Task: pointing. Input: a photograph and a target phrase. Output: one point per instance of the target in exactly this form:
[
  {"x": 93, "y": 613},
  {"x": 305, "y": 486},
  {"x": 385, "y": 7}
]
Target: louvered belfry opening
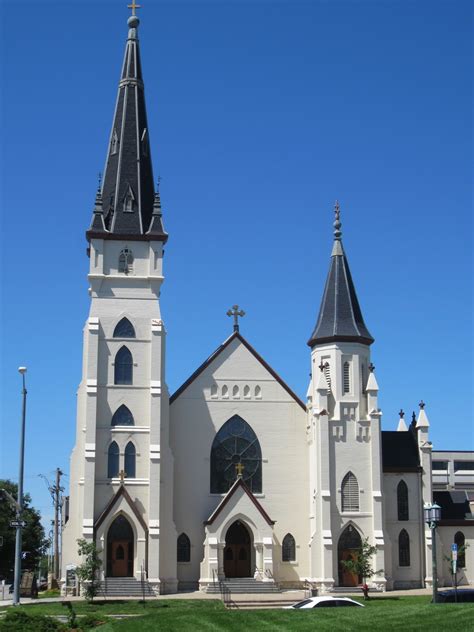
[{"x": 350, "y": 493}]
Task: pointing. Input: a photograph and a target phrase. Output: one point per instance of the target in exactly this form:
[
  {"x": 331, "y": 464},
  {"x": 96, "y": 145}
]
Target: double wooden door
[
  {"x": 237, "y": 560},
  {"x": 120, "y": 558}
]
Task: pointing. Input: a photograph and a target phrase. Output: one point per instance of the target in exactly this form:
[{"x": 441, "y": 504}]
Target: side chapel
[{"x": 192, "y": 512}]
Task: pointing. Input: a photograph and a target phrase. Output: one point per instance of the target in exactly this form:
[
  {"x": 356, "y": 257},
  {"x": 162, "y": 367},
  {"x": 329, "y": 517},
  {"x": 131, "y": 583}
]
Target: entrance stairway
[
  {"x": 125, "y": 587},
  {"x": 242, "y": 585}
]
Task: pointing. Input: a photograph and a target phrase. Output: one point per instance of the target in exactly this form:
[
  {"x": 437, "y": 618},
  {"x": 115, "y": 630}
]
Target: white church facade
[{"x": 189, "y": 489}]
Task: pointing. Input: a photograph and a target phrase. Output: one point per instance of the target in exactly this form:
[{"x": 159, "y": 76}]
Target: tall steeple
[
  {"x": 340, "y": 317},
  {"x": 126, "y": 207}
]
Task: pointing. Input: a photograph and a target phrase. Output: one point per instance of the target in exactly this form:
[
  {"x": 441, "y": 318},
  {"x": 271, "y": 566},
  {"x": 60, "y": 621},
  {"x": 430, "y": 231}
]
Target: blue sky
[{"x": 261, "y": 114}]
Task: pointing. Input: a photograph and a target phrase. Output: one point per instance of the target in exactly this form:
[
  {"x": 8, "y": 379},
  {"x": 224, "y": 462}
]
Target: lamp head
[{"x": 22, "y": 369}]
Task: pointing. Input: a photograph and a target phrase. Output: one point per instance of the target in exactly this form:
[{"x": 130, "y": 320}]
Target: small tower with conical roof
[
  {"x": 344, "y": 422},
  {"x": 122, "y": 455}
]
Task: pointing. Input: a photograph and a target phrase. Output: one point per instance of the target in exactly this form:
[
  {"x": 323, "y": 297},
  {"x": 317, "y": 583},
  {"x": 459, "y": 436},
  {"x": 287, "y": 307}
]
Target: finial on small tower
[
  {"x": 236, "y": 313},
  {"x": 133, "y": 20},
  {"x": 401, "y": 413},
  {"x": 422, "y": 405},
  {"x": 371, "y": 367},
  {"x": 337, "y": 221},
  {"x": 99, "y": 181}
]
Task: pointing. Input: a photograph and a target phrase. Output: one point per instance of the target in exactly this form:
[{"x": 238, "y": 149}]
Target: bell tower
[
  {"x": 122, "y": 457},
  {"x": 344, "y": 433}
]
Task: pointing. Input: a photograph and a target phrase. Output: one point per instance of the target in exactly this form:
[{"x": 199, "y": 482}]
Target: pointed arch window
[
  {"x": 122, "y": 417},
  {"x": 124, "y": 329},
  {"x": 350, "y": 493},
  {"x": 114, "y": 143},
  {"x": 235, "y": 443},
  {"x": 403, "y": 548},
  {"x": 402, "y": 501},
  {"x": 126, "y": 261},
  {"x": 130, "y": 460},
  {"x": 123, "y": 367},
  {"x": 460, "y": 540},
  {"x": 288, "y": 548},
  {"x": 129, "y": 201},
  {"x": 184, "y": 548},
  {"x": 113, "y": 457},
  {"x": 347, "y": 377}
]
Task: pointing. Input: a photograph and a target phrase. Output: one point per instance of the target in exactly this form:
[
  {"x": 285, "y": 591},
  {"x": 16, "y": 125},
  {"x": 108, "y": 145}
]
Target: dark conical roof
[
  {"x": 129, "y": 209},
  {"x": 340, "y": 317}
]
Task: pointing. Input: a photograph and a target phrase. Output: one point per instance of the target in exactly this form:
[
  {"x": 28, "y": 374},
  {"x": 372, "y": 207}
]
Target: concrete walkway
[{"x": 285, "y": 595}]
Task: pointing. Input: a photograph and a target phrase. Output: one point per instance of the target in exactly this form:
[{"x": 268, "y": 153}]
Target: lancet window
[{"x": 350, "y": 493}]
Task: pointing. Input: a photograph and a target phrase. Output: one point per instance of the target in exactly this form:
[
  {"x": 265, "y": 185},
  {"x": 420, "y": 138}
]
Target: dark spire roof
[
  {"x": 340, "y": 317},
  {"x": 127, "y": 206}
]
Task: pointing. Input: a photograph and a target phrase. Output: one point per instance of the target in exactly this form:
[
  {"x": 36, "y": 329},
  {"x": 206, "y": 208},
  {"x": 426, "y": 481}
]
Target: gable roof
[
  {"x": 218, "y": 351},
  {"x": 239, "y": 483},
  {"x": 110, "y": 505},
  {"x": 399, "y": 452}
]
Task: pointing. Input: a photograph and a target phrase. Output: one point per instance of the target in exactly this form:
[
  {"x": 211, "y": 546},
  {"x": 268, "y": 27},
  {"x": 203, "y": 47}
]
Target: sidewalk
[{"x": 286, "y": 594}]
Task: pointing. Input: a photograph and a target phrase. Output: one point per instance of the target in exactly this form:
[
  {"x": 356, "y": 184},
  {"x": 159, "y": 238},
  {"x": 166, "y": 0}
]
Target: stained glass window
[
  {"x": 129, "y": 461},
  {"x": 402, "y": 500},
  {"x": 122, "y": 417},
  {"x": 124, "y": 329},
  {"x": 123, "y": 367},
  {"x": 403, "y": 548},
  {"x": 184, "y": 548},
  {"x": 235, "y": 443},
  {"x": 288, "y": 548},
  {"x": 113, "y": 460}
]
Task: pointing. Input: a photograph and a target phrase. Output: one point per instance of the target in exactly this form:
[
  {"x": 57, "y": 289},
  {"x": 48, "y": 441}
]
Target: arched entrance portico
[
  {"x": 120, "y": 548},
  {"x": 237, "y": 551},
  {"x": 349, "y": 542}
]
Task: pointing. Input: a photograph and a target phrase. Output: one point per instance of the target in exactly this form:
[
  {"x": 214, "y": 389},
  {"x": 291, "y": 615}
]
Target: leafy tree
[
  {"x": 361, "y": 565},
  {"x": 33, "y": 539},
  {"x": 88, "y": 570}
]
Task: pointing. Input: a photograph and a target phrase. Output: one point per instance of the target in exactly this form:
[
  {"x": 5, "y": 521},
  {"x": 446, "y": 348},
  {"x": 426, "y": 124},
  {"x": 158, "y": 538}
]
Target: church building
[{"x": 187, "y": 490}]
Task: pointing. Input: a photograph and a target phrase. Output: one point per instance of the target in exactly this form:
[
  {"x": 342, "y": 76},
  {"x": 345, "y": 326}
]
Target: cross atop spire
[
  {"x": 337, "y": 221},
  {"x": 133, "y": 7},
  {"x": 235, "y": 312}
]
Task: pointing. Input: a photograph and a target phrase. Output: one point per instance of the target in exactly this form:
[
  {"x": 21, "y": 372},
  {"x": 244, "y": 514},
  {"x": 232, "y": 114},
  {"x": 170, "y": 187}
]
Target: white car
[{"x": 324, "y": 602}]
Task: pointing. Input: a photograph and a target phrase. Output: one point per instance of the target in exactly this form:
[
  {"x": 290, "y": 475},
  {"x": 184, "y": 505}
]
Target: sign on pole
[
  {"x": 18, "y": 523},
  {"x": 454, "y": 557}
]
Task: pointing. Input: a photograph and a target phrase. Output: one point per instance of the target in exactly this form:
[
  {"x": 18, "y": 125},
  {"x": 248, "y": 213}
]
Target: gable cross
[
  {"x": 239, "y": 468},
  {"x": 133, "y": 7},
  {"x": 235, "y": 312},
  {"x": 123, "y": 475}
]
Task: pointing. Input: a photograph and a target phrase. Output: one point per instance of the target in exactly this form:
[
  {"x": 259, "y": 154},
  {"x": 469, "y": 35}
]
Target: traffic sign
[
  {"x": 18, "y": 523},
  {"x": 454, "y": 547},
  {"x": 454, "y": 552}
]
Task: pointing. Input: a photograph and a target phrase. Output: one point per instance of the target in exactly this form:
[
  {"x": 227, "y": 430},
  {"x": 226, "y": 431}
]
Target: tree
[
  {"x": 361, "y": 565},
  {"x": 87, "y": 571},
  {"x": 34, "y": 542}
]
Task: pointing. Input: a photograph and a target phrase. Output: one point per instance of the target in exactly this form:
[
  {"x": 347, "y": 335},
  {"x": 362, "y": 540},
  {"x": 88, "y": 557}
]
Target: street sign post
[
  {"x": 17, "y": 523},
  {"x": 454, "y": 562}
]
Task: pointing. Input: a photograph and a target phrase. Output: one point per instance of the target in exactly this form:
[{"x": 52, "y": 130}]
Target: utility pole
[
  {"x": 55, "y": 491},
  {"x": 57, "y": 494},
  {"x": 19, "y": 512}
]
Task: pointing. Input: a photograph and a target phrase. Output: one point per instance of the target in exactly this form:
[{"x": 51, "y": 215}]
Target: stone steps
[
  {"x": 125, "y": 587},
  {"x": 242, "y": 585}
]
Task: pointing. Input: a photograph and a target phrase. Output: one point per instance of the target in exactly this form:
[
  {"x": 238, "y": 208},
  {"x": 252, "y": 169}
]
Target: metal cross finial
[
  {"x": 371, "y": 367},
  {"x": 337, "y": 221},
  {"x": 401, "y": 413},
  {"x": 413, "y": 418},
  {"x": 239, "y": 468},
  {"x": 236, "y": 313},
  {"x": 123, "y": 475},
  {"x": 158, "y": 182},
  {"x": 99, "y": 179},
  {"x": 422, "y": 404},
  {"x": 133, "y": 7}
]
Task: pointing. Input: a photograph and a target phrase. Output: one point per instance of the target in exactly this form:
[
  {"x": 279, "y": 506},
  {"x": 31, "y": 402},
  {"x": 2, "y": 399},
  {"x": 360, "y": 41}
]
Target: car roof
[{"x": 328, "y": 598}]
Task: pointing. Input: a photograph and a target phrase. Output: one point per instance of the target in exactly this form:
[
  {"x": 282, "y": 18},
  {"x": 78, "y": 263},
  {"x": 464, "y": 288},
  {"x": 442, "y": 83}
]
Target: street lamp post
[
  {"x": 19, "y": 506},
  {"x": 432, "y": 514}
]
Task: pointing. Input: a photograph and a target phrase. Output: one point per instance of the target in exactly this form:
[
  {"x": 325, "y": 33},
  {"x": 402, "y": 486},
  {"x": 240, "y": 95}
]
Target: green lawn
[{"x": 381, "y": 613}]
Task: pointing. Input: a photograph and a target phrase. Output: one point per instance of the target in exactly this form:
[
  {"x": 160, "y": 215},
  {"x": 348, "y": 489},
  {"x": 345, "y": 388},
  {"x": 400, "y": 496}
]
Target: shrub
[{"x": 19, "y": 621}]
